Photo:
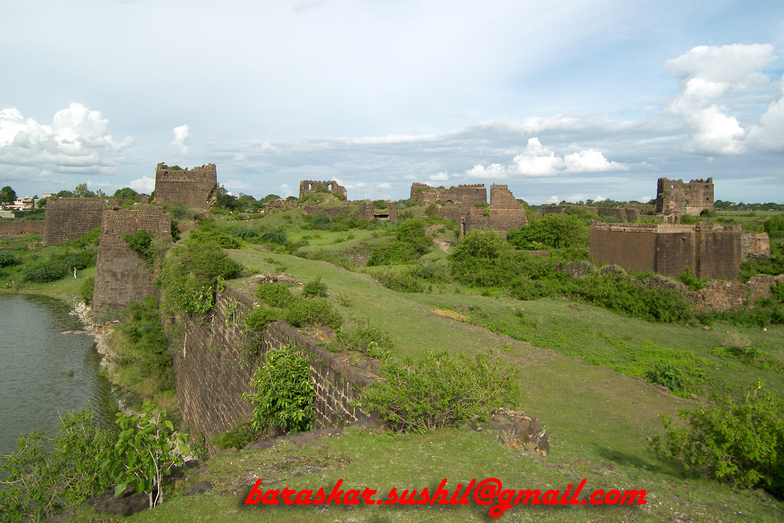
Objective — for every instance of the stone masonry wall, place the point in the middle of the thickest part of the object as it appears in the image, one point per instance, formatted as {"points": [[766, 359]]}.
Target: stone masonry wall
{"points": [[71, 218], [21, 227], [121, 276], [708, 251], [211, 379], [689, 198], [196, 187], [308, 186]]}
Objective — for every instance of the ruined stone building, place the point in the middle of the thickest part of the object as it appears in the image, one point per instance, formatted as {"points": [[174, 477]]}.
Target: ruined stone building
{"points": [[196, 187], [504, 214], [710, 251], [676, 196], [460, 196], [121, 275], [308, 186]]}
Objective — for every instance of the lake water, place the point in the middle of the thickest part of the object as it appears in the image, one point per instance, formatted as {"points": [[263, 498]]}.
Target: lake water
{"points": [[45, 372]]}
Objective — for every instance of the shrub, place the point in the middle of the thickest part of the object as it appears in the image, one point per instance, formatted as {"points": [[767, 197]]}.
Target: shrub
{"points": [[275, 235], [243, 232], [688, 219], [284, 396], [691, 281], [365, 338], [141, 243], [49, 474], [275, 294], [208, 235], [86, 290], [742, 443], [313, 312], [774, 226], [45, 272], [667, 375], [556, 231], [256, 322], [315, 288], [7, 259], [237, 438], [441, 390]]}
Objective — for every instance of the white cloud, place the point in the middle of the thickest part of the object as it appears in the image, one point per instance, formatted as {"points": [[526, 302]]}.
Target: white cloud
{"points": [[553, 199], [711, 80], [236, 185], [644, 199], [144, 185], [599, 198], [769, 134], [181, 136], [439, 177], [590, 161], [538, 161], [77, 141], [385, 185], [576, 198]]}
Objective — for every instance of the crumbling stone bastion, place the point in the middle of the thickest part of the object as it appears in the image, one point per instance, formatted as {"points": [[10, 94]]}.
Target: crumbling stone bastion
{"points": [[688, 198], [121, 276], [709, 251], [308, 186], [196, 187]]}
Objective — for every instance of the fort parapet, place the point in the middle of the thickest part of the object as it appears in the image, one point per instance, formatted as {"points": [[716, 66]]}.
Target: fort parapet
{"points": [[71, 218], [308, 186], [461, 196], [196, 187], [504, 214], [686, 198], [121, 276], [709, 251]]}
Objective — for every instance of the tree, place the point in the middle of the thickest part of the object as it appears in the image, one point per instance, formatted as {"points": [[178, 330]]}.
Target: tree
{"points": [[7, 195], [126, 193], [81, 191]]}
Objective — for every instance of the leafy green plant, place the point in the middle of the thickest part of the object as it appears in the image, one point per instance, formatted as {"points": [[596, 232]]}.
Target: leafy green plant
{"points": [[8, 259], [86, 290], [315, 288], [365, 338], [237, 438], [667, 375], [141, 242], [742, 443], [313, 312], [552, 231], [284, 396], [51, 473], [691, 281], [147, 449], [275, 294], [441, 390]]}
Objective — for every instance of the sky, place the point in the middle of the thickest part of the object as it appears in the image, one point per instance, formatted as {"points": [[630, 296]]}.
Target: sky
{"points": [[559, 100]]}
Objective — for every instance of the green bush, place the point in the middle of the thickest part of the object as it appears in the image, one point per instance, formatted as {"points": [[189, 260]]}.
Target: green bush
{"points": [[284, 396], [400, 281], [45, 272], [441, 390], [141, 242], [691, 281], [237, 438], [688, 219], [86, 290], [7, 259], [667, 375], [275, 294], [313, 312], [209, 235], [774, 226], [256, 322], [365, 338], [246, 233], [742, 443], [146, 344], [275, 235], [315, 288], [50, 474], [555, 231]]}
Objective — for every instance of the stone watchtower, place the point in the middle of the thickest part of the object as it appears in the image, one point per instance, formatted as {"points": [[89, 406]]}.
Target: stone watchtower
{"points": [[689, 198], [197, 187]]}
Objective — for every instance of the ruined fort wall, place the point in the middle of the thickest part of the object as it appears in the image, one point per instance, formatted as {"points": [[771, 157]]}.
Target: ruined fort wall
{"points": [[121, 276], [71, 218], [754, 245], [708, 251], [10, 227], [461, 196], [633, 248], [308, 186], [211, 378], [196, 187], [719, 251]]}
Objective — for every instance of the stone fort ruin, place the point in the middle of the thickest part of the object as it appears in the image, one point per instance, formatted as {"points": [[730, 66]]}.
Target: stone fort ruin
{"points": [[467, 204], [676, 196], [308, 186], [196, 187], [69, 218], [709, 251], [121, 275]]}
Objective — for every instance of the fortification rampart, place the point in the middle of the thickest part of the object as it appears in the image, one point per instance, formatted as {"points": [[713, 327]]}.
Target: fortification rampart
{"points": [[754, 245], [211, 378], [196, 187], [504, 214], [708, 251], [12, 227], [70, 218], [121, 276], [308, 186], [462, 195], [688, 198]]}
